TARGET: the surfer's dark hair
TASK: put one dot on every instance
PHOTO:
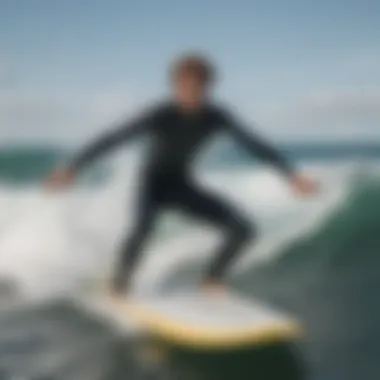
(194, 64)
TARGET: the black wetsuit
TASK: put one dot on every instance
(176, 138)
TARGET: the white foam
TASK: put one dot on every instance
(51, 244)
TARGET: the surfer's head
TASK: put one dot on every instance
(192, 75)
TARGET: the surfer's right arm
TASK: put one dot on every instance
(104, 144)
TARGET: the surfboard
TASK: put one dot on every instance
(201, 321)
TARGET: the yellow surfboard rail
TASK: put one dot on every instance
(204, 338)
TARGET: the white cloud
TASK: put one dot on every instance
(340, 114)
(27, 116)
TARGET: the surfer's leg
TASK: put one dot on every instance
(237, 229)
(135, 242)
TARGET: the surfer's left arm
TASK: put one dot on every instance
(258, 146)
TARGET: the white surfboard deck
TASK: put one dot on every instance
(192, 318)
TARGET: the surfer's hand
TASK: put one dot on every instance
(304, 185)
(60, 179)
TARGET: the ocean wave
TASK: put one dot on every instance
(51, 244)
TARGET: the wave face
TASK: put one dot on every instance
(316, 257)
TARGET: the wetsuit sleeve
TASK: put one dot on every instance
(255, 144)
(111, 140)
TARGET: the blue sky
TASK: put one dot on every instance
(301, 69)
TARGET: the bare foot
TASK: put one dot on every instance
(120, 285)
(214, 288)
(117, 295)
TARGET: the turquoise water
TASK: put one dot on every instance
(30, 164)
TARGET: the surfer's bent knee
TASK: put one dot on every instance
(244, 230)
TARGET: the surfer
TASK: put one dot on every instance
(178, 128)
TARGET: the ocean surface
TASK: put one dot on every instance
(316, 258)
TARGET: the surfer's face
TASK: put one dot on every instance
(190, 90)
